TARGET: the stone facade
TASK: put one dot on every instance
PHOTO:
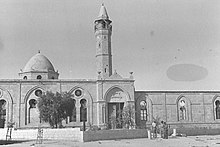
(178, 108)
(17, 95)
(103, 96)
(18, 98)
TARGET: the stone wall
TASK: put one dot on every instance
(73, 134)
(114, 134)
(18, 93)
(200, 107)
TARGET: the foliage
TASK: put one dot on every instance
(68, 103)
(157, 120)
(54, 108)
(124, 118)
(128, 116)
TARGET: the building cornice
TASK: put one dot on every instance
(178, 91)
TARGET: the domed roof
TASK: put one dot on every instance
(38, 63)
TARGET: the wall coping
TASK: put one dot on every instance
(179, 91)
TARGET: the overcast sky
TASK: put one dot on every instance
(169, 45)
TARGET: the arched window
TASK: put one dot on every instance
(25, 77)
(39, 77)
(217, 108)
(2, 113)
(183, 109)
(103, 24)
(33, 114)
(83, 110)
(73, 116)
(143, 106)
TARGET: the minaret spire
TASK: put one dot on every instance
(103, 32)
(103, 13)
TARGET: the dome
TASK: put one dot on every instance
(38, 63)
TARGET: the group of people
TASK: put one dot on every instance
(162, 128)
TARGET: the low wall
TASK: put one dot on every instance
(114, 134)
(73, 134)
(198, 131)
(192, 129)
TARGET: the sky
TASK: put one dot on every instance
(169, 45)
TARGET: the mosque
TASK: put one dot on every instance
(102, 96)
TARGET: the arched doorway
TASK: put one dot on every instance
(116, 99)
(115, 111)
(2, 113)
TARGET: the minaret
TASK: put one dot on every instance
(103, 32)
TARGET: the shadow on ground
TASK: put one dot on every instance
(4, 142)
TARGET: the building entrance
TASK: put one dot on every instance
(115, 115)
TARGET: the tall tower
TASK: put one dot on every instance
(103, 32)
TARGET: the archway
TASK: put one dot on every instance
(183, 108)
(32, 113)
(6, 107)
(216, 107)
(83, 104)
(115, 99)
(143, 110)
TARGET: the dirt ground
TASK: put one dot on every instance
(190, 141)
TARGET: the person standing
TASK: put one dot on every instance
(165, 126)
(162, 129)
(154, 129)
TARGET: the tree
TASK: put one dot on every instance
(128, 116)
(54, 108)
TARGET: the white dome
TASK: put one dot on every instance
(38, 63)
